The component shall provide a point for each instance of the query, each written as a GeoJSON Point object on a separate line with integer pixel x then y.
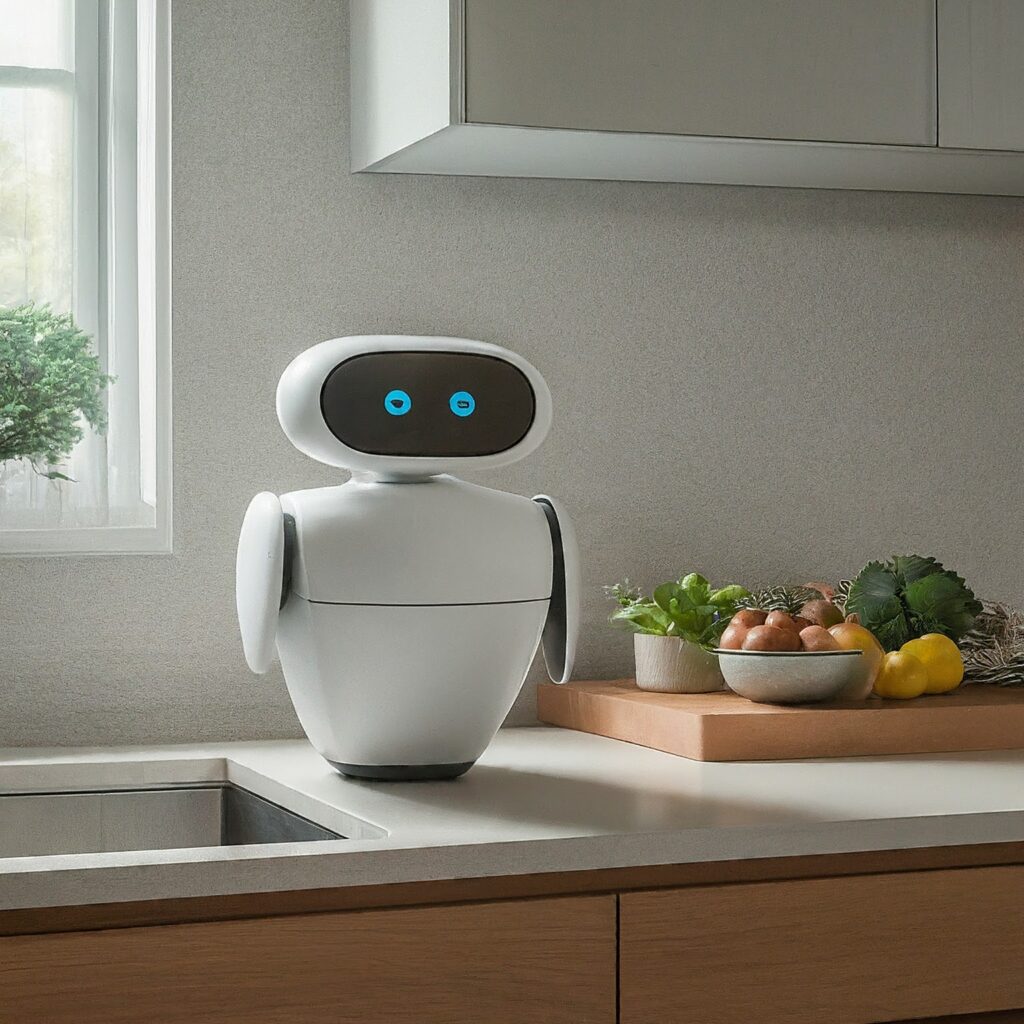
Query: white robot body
{"type": "Point", "coordinates": [377, 701]}
{"type": "Point", "coordinates": [440, 542]}
{"type": "Point", "coordinates": [406, 605]}
{"type": "Point", "coordinates": [414, 611]}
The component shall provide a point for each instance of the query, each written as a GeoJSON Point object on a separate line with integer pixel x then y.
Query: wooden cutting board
{"type": "Point", "coordinates": [725, 727]}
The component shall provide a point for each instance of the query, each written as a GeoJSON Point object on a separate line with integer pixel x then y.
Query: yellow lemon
{"type": "Point", "coordinates": [901, 676]}
{"type": "Point", "coordinates": [941, 657]}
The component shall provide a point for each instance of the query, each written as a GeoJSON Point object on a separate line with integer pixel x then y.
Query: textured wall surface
{"type": "Point", "coordinates": [759, 383]}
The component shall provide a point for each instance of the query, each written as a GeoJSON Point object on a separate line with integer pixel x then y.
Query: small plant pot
{"type": "Point", "coordinates": [667, 664]}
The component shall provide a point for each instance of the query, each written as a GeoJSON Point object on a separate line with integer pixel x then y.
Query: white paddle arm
{"type": "Point", "coordinates": [262, 573]}
{"type": "Point", "coordinates": [561, 629]}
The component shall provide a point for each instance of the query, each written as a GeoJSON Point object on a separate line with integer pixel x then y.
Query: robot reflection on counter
{"type": "Point", "coordinates": [407, 605]}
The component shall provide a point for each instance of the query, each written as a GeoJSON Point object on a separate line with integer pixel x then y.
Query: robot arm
{"type": "Point", "coordinates": [563, 622]}
{"type": "Point", "coordinates": [262, 576]}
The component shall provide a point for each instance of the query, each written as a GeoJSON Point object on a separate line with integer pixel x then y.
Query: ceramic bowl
{"type": "Point", "coordinates": [784, 677]}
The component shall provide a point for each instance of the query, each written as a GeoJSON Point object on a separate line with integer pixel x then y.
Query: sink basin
{"type": "Point", "coordinates": [166, 817]}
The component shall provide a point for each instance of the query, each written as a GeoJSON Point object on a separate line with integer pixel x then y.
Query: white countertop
{"type": "Point", "coordinates": [539, 800]}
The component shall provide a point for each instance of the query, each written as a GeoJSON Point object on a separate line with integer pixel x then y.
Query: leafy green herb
{"type": "Point", "coordinates": [687, 608]}
{"type": "Point", "coordinates": [636, 612]}
{"type": "Point", "coordinates": [910, 596]}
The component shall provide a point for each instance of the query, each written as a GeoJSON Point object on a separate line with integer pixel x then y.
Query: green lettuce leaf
{"type": "Point", "coordinates": [697, 588]}
{"type": "Point", "coordinates": [728, 596]}
{"type": "Point", "coordinates": [642, 617]}
{"type": "Point", "coordinates": [942, 603]}
{"type": "Point", "coordinates": [910, 568]}
{"type": "Point", "coordinates": [910, 596]}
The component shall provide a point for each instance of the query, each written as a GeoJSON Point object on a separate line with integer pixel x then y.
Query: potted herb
{"type": "Point", "coordinates": [50, 380]}
{"type": "Point", "coordinates": [676, 631]}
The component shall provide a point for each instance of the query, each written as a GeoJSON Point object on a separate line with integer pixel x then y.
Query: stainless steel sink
{"type": "Point", "coordinates": [146, 818]}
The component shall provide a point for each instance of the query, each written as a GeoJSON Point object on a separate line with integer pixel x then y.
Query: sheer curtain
{"type": "Point", "coordinates": [44, 122]}
{"type": "Point", "coordinates": [76, 197]}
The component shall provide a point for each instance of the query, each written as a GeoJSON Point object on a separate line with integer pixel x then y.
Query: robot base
{"type": "Point", "coordinates": [396, 692]}
{"type": "Point", "coordinates": [402, 772]}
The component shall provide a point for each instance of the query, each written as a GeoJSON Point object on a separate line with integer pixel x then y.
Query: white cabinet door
{"type": "Point", "coordinates": [828, 70]}
{"type": "Point", "coordinates": [981, 74]}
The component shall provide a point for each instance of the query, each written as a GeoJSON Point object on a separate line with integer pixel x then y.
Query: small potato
{"type": "Point", "coordinates": [817, 638]}
{"type": "Point", "coordinates": [748, 618]}
{"type": "Point", "coordinates": [801, 623]}
{"type": "Point", "coordinates": [781, 620]}
{"type": "Point", "coordinates": [734, 635]}
{"type": "Point", "coordinates": [822, 613]}
{"type": "Point", "coordinates": [771, 638]}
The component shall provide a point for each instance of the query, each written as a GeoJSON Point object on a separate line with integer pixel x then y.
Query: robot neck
{"type": "Point", "coordinates": [364, 477]}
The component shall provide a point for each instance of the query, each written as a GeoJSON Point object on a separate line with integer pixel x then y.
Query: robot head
{"type": "Point", "coordinates": [400, 406]}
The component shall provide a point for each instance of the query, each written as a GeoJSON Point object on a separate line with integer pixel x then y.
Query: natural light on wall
{"type": "Point", "coordinates": [84, 276]}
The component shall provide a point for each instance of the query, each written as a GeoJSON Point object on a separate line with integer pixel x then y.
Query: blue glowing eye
{"type": "Point", "coordinates": [397, 402]}
{"type": "Point", "coordinates": [462, 403]}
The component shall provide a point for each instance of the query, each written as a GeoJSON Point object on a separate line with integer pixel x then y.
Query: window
{"type": "Point", "coordinates": [84, 229]}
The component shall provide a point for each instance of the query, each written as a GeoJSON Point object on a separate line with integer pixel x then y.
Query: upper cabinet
{"type": "Point", "coordinates": [872, 94]}
{"type": "Point", "coordinates": [816, 70]}
{"type": "Point", "coordinates": [981, 74]}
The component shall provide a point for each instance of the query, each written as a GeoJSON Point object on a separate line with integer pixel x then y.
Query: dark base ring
{"type": "Point", "coordinates": [402, 772]}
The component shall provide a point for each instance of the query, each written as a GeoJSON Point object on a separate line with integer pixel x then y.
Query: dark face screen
{"type": "Point", "coordinates": [430, 404]}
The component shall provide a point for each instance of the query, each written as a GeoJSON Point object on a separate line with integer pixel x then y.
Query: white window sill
{"type": "Point", "coordinates": [100, 540]}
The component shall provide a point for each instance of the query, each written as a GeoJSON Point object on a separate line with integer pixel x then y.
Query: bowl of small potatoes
{"type": "Point", "coordinates": [777, 658]}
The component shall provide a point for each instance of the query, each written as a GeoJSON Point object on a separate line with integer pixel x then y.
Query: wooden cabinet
{"type": "Point", "coordinates": [826, 70]}
{"type": "Point", "coordinates": [548, 960]}
{"type": "Point", "coordinates": [805, 93]}
{"type": "Point", "coordinates": [825, 951]}
{"type": "Point", "coordinates": [890, 936]}
{"type": "Point", "coordinates": [981, 73]}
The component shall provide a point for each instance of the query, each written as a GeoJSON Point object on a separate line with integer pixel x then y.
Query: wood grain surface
{"type": "Point", "coordinates": [999, 1017]}
{"type": "Point", "coordinates": [726, 727]}
{"type": "Point", "coordinates": [544, 961]}
{"type": "Point", "coordinates": [825, 951]}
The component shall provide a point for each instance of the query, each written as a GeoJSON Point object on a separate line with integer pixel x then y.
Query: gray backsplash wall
{"type": "Point", "coordinates": [759, 383]}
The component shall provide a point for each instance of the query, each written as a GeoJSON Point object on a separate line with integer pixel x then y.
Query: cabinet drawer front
{"type": "Point", "coordinates": [830, 70]}
{"type": "Point", "coordinates": [842, 950]}
{"type": "Point", "coordinates": [540, 960]}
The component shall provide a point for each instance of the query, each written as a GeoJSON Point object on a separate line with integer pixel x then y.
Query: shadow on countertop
{"type": "Point", "coordinates": [582, 806]}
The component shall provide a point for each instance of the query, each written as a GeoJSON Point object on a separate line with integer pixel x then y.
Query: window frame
{"type": "Point", "coordinates": [109, 286]}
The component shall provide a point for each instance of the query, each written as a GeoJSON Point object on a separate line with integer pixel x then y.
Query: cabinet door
{"type": "Point", "coordinates": [791, 69]}
{"type": "Point", "coordinates": [843, 950]}
{"type": "Point", "coordinates": [539, 960]}
{"type": "Point", "coordinates": [981, 74]}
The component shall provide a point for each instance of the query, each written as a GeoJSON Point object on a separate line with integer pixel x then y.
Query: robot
{"type": "Point", "coordinates": [407, 605]}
